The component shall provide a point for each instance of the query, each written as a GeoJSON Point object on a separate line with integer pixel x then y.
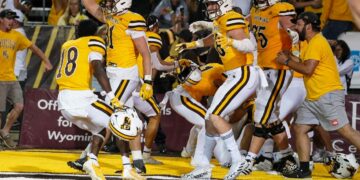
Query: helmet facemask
{"type": "Point", "coordinates": [223, 7]}
{"type": "Point", "coordinates": [120, 6]}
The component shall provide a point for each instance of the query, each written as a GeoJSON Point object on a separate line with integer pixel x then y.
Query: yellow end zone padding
{"type": "Point", "coordinates": [53, 161]}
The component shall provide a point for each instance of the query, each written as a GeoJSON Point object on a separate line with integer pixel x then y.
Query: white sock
{"type": "Point", "coordinates": [268, 148]}
{"type": "Point", "coordinates": [136, 155]}
{"type": "Point", "coordinates": [251, 156]}
{"type": "Point", "coordinates": [286, 152]}
{"type": "Point", "coordinates": [200, 149]}
{"type": "Point", "coordinates": [210, 142]}
{"type": "Point", "coordinates": [86, 151]}
{"type": "Point", "coordinates": [231, 145]}
{"type": "Point", "coordinates": [126, 162]}
{"type": "Point", "coordinates": [146, 152]}
{"type": "Point", "coordinates": [243, 152]}
{"type": "Point", "coordinates": [92, 156]}
{"type": "Point", "coordinates": [192, 140]}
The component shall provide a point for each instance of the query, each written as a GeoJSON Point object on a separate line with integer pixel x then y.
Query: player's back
{"type": "Point", "coordinates": [211, 77]}
{"type": "Point", "coordinates": [75, 71]}
{"type": "Point", "coordinates": [271, 38]}
{"type": "Point", "coordinates": [121, 51]}
{"type": "Point", "coordinates": [231, 57]}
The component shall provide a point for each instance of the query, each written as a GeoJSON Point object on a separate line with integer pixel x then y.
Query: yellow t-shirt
{"type": "Point", "coordinates": [230, 57]}
{"type": "Point", "coordinates": [72, 20]}
{"type": "Point", "coordinates": [10, 43]}
{"type": "Point", "coordinates": [297, 49]}
{"type": "Point", "coordinates": [121, 51]}
{"type": "Point", "coordinates": [75, 70]}
{"type": "Point", "coordinates": [153, 39]}
{"type": "Point", "coordinates": [54, 16]}
{"type": "Point", "coordinates": [271, 39]}
{"type": "Point", "coordinates": [326, 76]}
{"type": "Point", "coordinates": [206, 87]}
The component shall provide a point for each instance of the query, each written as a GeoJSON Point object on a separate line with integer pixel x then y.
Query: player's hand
{"type": "Point", "coordinates": [183, 46]}
{"type": "Point", "coordinates": [201, 25]}
{"type": "Point", "coordinates": [115, 103]}
{"type": "Point", "coordinates": [293, 35]}
{"type": "Point", "coordinates": [184, 62]}
{"type": "Point", "coordinates": [48, 66]}
{"type": "Point", "coordinates": [146, 90]}
{"type": "Point", "coordinates": [223, 41]}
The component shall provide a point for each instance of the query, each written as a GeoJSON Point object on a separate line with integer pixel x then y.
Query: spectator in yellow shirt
{"type": "Point", "coordinates": [12, 41]}
{"type": "Point", "coordinates": [57, 10]}
{"type": "Point", "coordinates": [336, 18]}
{"type": "Point", "coordinates": [324, 103]}
{"type": "Point", "coordinates": [73, 14]}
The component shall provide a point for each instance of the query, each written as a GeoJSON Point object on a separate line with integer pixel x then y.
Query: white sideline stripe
{"type": "Point", "coordinates": [21, 175]}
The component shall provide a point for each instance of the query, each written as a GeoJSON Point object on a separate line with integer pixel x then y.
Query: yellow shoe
{"type": "Point", "coordinates": [92, 168]}
{"type": "Point", "coordinates": [132, 174]}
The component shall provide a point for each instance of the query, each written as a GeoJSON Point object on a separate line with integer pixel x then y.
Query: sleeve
{"type": "Point", "coordinates": [61, 21]}
{"type": "Point", "coordinates": [137, 23]}
{"type": "Point", "coordinates": [96, 44]}
{"type": "Point", "coordinates": [285, 9]}
{"type": "Point", "coordinates": [235, 21]}
{"type": "Point", "coordinates": [325, 12]}
{"type": "Point", "coordinates": [312, 51]}
{"type": "Point", "coordinates": [155, 40]}
{"type": "Point", "coordinates": [24, 42]}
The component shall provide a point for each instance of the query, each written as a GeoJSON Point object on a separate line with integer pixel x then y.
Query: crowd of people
{"type": "Point", "coordinates": [247, 75]}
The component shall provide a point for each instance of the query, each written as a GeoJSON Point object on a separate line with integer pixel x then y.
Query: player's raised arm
{"type": "Point", "coordinates": [94, 9]}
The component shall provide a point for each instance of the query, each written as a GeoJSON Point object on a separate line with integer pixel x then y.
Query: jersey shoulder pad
{"type": "Point", "coordinates": [97, 44]}
{"type": "Point", "coordinates": [284, 9]}
{"type": "Point", "coordinates": [233, 20]}
{"type": "Point", "coordinates": [136, 22]}
{"type": "Point", "coordinates": [154, 39]}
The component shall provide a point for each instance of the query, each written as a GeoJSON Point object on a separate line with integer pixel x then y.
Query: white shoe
{"type": "Point", "coordinates": [199, 173]}
{"type": "Point", "coordinates": [92, 168]}
{"type": "Point", "coordinates": [151, 160]}
{"type": "Point", "coordinates": [132, 174]}
{"type": "Point", "coordinates": [243, 167]}
{"type": "Point", "coordinates": [185, 153]}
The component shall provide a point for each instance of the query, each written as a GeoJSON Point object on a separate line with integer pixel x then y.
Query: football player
{"type": "Point", "coordinates": [231, 40]}
{"type": "Point", "coordinates": [80, 59]}
{"type": "Point", "coordinates": [126, 39]}
{"type": "Point", "coordinates": [270, 21]}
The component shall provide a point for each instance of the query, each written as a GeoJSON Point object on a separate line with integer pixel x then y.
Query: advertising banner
{"type": "Point", "coordinates": [43, 126]}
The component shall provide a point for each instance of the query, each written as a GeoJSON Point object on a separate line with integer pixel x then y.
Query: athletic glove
{"type": "Point", "coordinates": [201, 25]}
{"type": "Point", "coordinates": [183, 46]}
{"type": "Point", "coordinates": [223, 41]}
{"type": "Point", "coordinates": [114, 102]}
{"type": "Point", "coordinates": [146, 90]}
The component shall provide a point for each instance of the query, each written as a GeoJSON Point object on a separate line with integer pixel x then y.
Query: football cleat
{"type": "Point", "coordinates": [199, 173]}
{"type": "Point", "coordinates": [77, 164]}
{"type": "Point", "coordinates": [92, 168]}
{"type": "Point", "coordinates": [139, 166]}
{"type": "Point", "coordinates": [243, 167]}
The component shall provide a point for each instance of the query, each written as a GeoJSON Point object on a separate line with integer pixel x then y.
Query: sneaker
{"type": "Point", "coordinates": [298, 173]}
{"type": "Point", "coordinates": [151, 160]}
{"type": "Point", "coordinates": [199, 173]}
{"type": "Point", "coordinates": [263, 163]}
{"type": "Point", "coordinates": [77, 164]}
{"type": "Point", "coordinates": [8, 142]}
{"type": "Point", "coordinates": [139, 166]}
{"type": "Point", "coordinates": [185, 153]}
{"type": "Point", "coordinates": [243, 167]}
{"type": "Point", "coordinates": [131, 174]}
{"type": "Point", "coordinates": [92, 168]}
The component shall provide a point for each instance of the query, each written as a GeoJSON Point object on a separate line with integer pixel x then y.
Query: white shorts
{"type": "Point", "coordinates": [122, 83]}
{"type": "Point", "coordinates": [268, 100]}
{"type": "Point", "coordinates": [239, 85]}
{"type": "Point", "coordinates": [148, 107]}
{"type": "Point", "coordinates": [188, 107]}
{"type": "Point", "coordinates": [97, 116]}
{"type": "Point", "coordinates": [292, 98]}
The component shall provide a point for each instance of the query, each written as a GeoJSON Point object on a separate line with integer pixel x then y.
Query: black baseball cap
{"type": "Point", "coordinates": [310, 17]}
{"type": "Point", "coordinates": [8, 13]}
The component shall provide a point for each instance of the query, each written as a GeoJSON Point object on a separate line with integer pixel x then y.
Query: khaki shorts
{"type": "Point", "coordinates": [328, 111]}
{"type": "Point", "coordinates": [10, 91]}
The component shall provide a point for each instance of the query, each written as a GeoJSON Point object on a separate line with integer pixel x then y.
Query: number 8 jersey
{"type": "Point", "coordinates": [230, 57]}
{"type": "Point", "coordinates": [270, 37]}
{"type": "Point", "coordinates": [75, 70]}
